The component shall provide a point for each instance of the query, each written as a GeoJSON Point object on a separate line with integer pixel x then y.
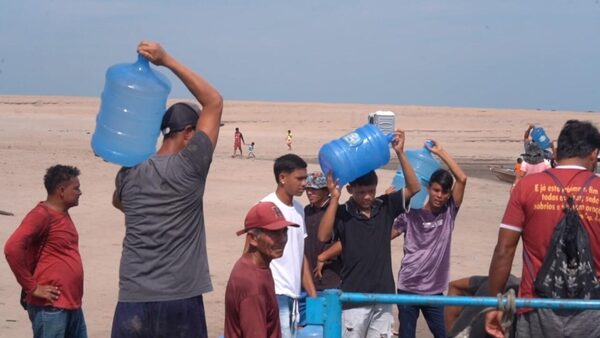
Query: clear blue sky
{"type": "Point", "coordinates": [511, 53]}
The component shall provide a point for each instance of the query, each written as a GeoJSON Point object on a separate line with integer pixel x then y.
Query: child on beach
{"type": "Point", "coordinates": [427, 233]}
{"type": "Point", "coordinates": [251, 151]}
{"type": "Point", "coordinates": [288, 139]}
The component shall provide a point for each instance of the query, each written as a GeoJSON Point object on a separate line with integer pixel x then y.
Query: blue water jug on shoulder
{"type": "Point", "coordinates": [539, 136]}
{"type": "Point", "coordinates": [132, 105]}
{"type": "Point", "coordinates": [355, 153]}
{"type": "Point", "coordinates": [424, 165]}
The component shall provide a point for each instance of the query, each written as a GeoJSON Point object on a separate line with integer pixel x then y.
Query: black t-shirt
{"type": "Point", "coordinates": [366, 248]}
{"type": "Point", "coordinates": [313, 247]}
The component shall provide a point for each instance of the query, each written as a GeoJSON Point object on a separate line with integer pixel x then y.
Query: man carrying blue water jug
{"type": "Point", "coordinates": [164, 266]}
{"type": "Point", "coordinates": [364, 227]}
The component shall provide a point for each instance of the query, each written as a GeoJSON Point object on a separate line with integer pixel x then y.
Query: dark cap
{"type": "Point", "coordinates": [265, 215]}
{"type": "Point", "coordinates": [179, 116]}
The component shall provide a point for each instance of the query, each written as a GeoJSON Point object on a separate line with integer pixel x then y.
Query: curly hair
{"type": "Point", "coordinates": [58, 174]}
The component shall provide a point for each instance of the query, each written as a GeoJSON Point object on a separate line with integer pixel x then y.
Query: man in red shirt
{"type": "Point", "coordinates": [535, 207]}
{"type": "Point", "coordinates": [43, 253]}
{"type": "Point", "coordinates": [238, 139]}
{"type": "Point", "coordinates": [251, 308]}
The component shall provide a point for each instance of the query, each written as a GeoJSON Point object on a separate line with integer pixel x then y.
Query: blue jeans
{"type": "Point", "coordinates": [52, 322]}
{"type": "Point", "coordinates": [288, 315]}
{"type": "Point", "coordinates": [408, 315]}
{"type": "Point", "coordinates": [182, 318]}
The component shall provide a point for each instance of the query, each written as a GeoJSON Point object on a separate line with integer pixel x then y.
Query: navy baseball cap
{"type": "Point", "coordinates": [179, 116]}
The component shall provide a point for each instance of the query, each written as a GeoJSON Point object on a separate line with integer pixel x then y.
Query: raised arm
{"type": "Point", "coordinates": [461, 178]}
{"type": "Point", "coordinates": [500, 266]}
{"type": "Point", "coordinates": [527, 131]}
{"type": "Point", "coordinates": [210, 99]}
{"type": "Point", "coordinates": [326, 224]}
{"type": "Point", "coordinates": [412, 185]}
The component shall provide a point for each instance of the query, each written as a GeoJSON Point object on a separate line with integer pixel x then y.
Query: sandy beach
{"type": "Point", "coordinates": [37, 132]}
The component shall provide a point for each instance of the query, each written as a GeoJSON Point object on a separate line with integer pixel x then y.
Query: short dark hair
{"type": "Point", "coordinates": [519, 160]}
{"type": "Point", "coordinates": [287, 163]}
{"type": "Point", "coordinates": [577, 139]}
{"type": "Point", "coordinates": [58, 174]}
{"type": "Point", "coordinates": [442, 177]}
{"type": "Point", "coordinates": [367, 179]}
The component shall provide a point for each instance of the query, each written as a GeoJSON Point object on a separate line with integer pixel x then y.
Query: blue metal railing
{"type": "Point", "coordinates": [327, 310]}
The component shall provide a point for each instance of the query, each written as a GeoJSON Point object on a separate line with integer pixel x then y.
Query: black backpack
{"type": "Point", "coordinates": [568, 270]}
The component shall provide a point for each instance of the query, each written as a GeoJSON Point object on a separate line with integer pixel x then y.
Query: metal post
{"type": "Point", "coordinates": [333, 314]}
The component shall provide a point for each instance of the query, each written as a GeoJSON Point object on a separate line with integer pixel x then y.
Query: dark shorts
{"type": "Point", "coordinates": [183, 318]}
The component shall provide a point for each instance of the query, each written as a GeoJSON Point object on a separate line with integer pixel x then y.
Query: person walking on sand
{"type": "Point", "coordinates": [536, 206]}
{"type": "Point", "coordinates": [251, 151]}
{"type": "Point", "coordinates": [43, 254]}
{"type": "Point", "coordinates": [251, 308]}
{"type": "Point", "coordinates": [425, 267]}
{"type": "Point", "coordinates": [164, 266]}
{"type": "Point", "coordinates": [238, 140]}
{"type": "Point", "coordinates": [288, 140]}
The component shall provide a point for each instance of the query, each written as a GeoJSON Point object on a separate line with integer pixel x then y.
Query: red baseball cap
{"type": "Point", "coordinates": [265, 215]}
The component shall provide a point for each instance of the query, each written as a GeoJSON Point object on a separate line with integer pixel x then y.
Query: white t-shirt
{"type": "Point", "coordinates": [287, 270]}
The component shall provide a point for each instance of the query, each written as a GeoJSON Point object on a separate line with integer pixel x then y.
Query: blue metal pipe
{"type": "Point", "coordinates": [327, 311]}
{"type": "Point", "coordinates": [537, 303]}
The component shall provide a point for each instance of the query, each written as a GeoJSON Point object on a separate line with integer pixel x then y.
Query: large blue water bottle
{"type": "Point", "coordinates": [539, 136]}
{"type": "Point", "coordinates": [132, 106]}
{"type": "Point", "coordinates": [424, 165]}
{"type": "Point", "coordinates": [355, 153]}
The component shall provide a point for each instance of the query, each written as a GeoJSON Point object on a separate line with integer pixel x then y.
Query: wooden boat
{"type": "Point", "coordinates": [503, 174]}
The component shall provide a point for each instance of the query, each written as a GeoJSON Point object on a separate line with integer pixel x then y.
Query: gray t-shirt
{"type": "Point", "coordinates": [164, 249]}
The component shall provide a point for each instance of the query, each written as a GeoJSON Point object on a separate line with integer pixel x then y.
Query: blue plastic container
{"type": "Point", "coordinates": [356, 153]}
{"type": "Point", "coordinates": [132, 106]}
{"type": "Point", "coordinates": [539, 136]}
{"type": "Point", "coordinates": [310, 331]}
{"type": "Point", "coordinates": [424, 166]}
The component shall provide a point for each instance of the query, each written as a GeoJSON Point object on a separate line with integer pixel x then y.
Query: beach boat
{"type": "Point", "coordinates": [503, 174]}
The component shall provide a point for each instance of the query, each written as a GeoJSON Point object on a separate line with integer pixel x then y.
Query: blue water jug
{"type": "Point", "coordinates": [132, 106]}
{"type": "Point", "coordinates": [424, 166]}
{"type": "Point", "coordinates": [355, 153]}
{"type": "Point", "coordinates": [539, 136]}
{"type": "Point", "coordinates": [310, 331]}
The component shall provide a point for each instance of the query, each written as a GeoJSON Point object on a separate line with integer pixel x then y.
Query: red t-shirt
{"type": "Point", "coordinates": [535, 207]}
{"type": "Point", "coordinates": [59, 261]}
{"type": "Point", "coordinates": [237, 139]}
{"type": "Point", "coordinates": [251, 309]}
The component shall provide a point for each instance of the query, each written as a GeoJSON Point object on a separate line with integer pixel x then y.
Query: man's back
{"type": "Point", "coordinates": [536, 206]}
{"type": "Point", "coordinates": [164, 250]}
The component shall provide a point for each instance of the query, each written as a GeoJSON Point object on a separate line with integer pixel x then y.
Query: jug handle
{"type": "Point", "coordinates": [389, 137]}
{"type": "Point", "coordinates": [142, 63]}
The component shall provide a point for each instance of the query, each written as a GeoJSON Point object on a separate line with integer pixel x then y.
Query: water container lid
{"type": "Point", "coordinates": [384, 113]}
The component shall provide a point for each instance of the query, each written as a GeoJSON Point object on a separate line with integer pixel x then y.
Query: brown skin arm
{"type": "Point", "coordinates": [307, 280]}
{"type": "Point", "coordinates": [412, 185]}
{"type": "Point", "coordinates": [330, 253]}
{"type": "Point", "coordinates": [500, 266]}
{"type": "Point", "coordinates": [458, 191]}
{"type": "Point", "coordinates": [116, 202]}
{"type": "Point", "coordinates": [458, 287]}
{"type": "Point", "coordinates": [210, 99]}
